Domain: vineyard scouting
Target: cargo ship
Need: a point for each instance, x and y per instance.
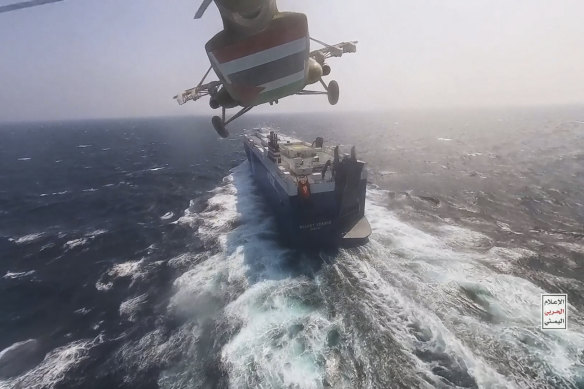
(316, 191)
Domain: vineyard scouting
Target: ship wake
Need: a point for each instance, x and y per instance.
(417, 306)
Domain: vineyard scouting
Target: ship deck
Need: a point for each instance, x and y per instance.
(296, 159)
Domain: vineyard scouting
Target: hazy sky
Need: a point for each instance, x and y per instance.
(127, 58)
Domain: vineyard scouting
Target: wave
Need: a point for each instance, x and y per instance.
(80, 242)
(435, 305)
(75, 243)
(132, 269)
(167, 216)
(17, 275)
(54, 367)
(129, 309)
(28, 238)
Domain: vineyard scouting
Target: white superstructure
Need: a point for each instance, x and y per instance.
(296, 160)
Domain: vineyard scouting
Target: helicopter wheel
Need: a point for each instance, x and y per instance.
(326, 70)
(219, 126)
(332, 92)
(214, 104)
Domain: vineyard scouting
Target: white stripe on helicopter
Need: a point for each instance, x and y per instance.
(217, 64)
(264, 56)
(268, 86)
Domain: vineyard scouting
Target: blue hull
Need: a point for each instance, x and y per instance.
(316, 221)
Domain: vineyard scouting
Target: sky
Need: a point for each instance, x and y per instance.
(109, 58)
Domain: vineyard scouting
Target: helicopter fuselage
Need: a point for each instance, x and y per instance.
(262, 67)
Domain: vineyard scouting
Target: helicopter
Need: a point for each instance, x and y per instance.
(261, 56)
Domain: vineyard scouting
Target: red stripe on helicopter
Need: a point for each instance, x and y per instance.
(277, 34)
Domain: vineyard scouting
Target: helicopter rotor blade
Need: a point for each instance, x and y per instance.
(202, 8)
(25, 4)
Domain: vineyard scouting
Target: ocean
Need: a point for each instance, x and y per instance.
(139, 253)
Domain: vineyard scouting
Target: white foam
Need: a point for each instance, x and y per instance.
(575, 247)
(262, 300)
(132, 269)
(432, 271)
(384, 301)
(54, 367)
(28, 238)
(17, 275)
(80, 242)
(185, 259)
(75, 243)
(226, 269)
(130, 308)
(82, 311)
(103, 286)
(199, 288)
(226, 209)
(440, 280)
(24, 159)
(95, 233)
(167, 215)
(281, 337)
(505, 227)
(463, 238)
(126, 269)
(16, 346)
(155, 348)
